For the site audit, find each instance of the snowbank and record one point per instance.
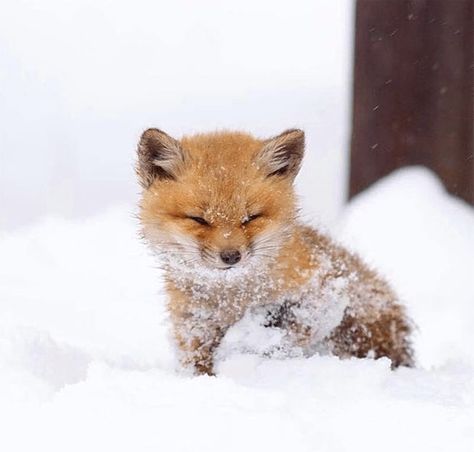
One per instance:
(85, 363)
(423, 240)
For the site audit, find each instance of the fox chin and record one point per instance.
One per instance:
(220, 211)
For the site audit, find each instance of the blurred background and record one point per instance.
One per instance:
(376, 85)
(80, 80)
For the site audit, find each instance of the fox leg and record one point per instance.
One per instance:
(197, 339)
(307, 324)
(388, 334)
(197, 330)
(299, 329)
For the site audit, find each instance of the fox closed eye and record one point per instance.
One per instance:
(250, 218)
(199, 220)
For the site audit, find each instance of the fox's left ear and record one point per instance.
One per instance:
(282, 154)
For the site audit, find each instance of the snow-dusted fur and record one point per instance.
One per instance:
(229, 191)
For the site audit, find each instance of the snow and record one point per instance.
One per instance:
(423, 241)
(86, 364)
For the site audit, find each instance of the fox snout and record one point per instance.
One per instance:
(230, 257)
(225, 253)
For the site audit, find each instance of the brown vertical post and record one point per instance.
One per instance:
(413, 100)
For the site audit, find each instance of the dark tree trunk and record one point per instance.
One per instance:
(414, 91)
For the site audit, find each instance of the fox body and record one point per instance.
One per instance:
(220, 211)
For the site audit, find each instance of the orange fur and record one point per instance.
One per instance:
(213, 192)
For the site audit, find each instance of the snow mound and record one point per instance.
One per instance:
(422, 239)
(86, 364)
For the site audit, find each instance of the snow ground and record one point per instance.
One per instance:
(85, 363)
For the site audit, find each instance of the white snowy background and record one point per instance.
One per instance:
(85, 360)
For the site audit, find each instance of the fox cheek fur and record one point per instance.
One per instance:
(220, 210)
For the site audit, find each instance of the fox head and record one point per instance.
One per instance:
(221, 200)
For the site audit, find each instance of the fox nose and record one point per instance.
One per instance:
(230, 257)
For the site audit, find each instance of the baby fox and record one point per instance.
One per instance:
(220, 210)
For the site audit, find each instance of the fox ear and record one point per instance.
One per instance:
(282, 154)
(159, 156)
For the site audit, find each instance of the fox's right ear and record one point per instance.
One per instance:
(159, 156)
